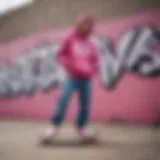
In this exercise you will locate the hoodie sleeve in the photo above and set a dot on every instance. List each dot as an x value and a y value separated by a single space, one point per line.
95 60
63 55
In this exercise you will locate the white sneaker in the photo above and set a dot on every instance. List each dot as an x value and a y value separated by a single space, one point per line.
87 135
49 136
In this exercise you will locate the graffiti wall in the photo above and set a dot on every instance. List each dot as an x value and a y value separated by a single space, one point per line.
126 88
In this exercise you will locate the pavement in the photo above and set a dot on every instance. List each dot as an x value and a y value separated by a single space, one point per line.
19 140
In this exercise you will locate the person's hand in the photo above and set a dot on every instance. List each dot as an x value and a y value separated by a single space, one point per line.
84 68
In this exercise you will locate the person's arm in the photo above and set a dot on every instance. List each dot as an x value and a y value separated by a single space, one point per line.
95 60
63 54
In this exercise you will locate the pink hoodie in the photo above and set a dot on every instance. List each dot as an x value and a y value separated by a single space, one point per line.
78 56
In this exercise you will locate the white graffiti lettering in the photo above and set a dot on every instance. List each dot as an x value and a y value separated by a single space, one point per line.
134 52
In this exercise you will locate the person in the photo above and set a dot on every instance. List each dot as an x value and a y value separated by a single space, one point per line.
79 58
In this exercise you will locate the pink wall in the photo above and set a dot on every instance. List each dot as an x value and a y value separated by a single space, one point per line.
134 99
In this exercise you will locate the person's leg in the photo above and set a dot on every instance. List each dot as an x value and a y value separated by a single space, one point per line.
58 116
60 109
84 89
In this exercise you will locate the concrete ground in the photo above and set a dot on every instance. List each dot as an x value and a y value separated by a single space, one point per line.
19 141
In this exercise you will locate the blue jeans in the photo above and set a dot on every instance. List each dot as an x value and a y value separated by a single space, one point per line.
83 87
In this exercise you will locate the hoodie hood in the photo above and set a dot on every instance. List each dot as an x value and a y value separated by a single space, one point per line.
84 17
